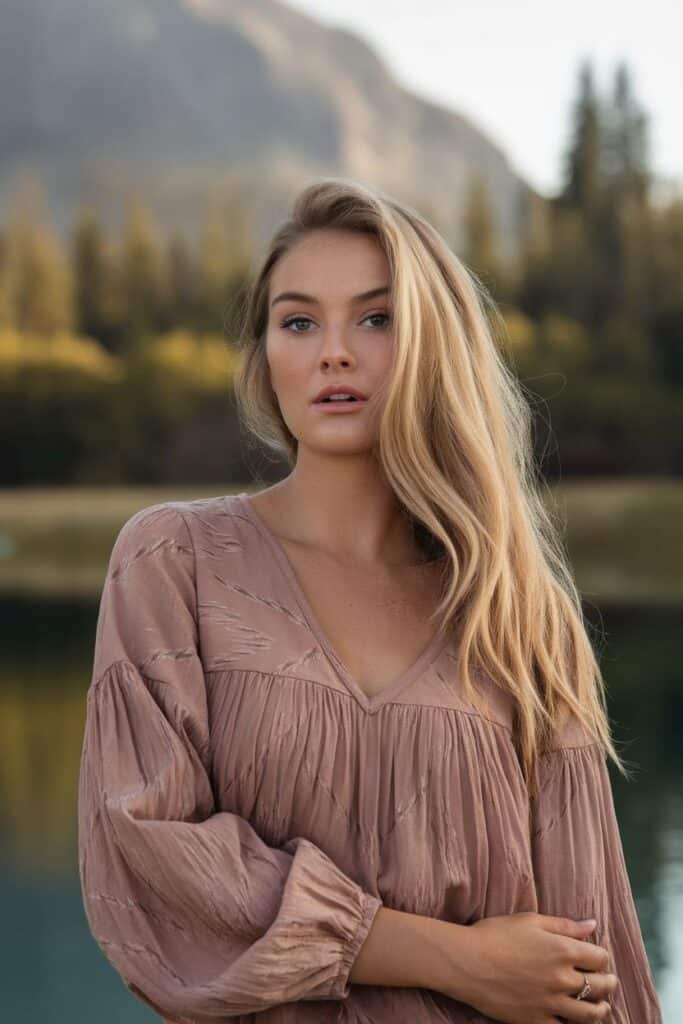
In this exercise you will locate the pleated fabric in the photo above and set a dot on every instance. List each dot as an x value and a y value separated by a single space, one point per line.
244 809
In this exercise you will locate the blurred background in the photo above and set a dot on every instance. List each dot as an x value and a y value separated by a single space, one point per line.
148 149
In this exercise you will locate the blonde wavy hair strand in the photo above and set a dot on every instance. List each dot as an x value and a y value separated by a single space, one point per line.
454 441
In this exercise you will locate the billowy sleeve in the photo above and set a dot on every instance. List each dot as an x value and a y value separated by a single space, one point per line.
198 915
580 869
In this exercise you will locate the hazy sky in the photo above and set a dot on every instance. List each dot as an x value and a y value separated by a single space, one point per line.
512 67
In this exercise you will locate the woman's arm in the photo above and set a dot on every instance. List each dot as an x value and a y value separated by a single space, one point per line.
408 950
199 916
492 965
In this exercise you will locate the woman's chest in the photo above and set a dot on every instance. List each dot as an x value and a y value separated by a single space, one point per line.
376 622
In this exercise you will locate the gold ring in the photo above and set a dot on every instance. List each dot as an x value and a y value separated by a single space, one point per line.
586 988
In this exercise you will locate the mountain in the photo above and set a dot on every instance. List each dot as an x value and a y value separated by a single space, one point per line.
176 98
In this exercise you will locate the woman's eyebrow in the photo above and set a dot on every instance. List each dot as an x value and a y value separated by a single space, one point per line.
303 297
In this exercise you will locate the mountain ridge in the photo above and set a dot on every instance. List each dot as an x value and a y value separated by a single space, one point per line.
173 98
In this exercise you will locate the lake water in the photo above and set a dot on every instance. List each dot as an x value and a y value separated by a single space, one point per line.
54 973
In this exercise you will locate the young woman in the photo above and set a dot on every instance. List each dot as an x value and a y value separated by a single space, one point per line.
346 740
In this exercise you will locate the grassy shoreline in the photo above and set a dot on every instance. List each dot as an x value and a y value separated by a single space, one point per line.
624 536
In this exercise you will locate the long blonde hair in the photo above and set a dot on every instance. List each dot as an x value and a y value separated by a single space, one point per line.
454 441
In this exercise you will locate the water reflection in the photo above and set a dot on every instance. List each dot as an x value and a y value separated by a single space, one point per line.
53 969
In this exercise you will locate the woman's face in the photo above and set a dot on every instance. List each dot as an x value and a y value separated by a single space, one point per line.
330 337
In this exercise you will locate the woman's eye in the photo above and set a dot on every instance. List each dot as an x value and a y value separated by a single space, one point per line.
295 320
304 319
373 316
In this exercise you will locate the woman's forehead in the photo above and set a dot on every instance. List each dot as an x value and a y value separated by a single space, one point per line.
343 267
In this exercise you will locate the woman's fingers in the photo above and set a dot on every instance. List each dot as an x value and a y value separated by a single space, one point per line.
582 1012
602 985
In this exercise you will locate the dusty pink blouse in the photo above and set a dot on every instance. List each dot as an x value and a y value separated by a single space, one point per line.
244 809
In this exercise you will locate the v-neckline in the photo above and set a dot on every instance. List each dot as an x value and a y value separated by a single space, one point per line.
391 689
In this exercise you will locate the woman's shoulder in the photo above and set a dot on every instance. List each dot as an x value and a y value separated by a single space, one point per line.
211 518
201 536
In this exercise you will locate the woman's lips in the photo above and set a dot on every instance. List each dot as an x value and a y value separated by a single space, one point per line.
344 406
